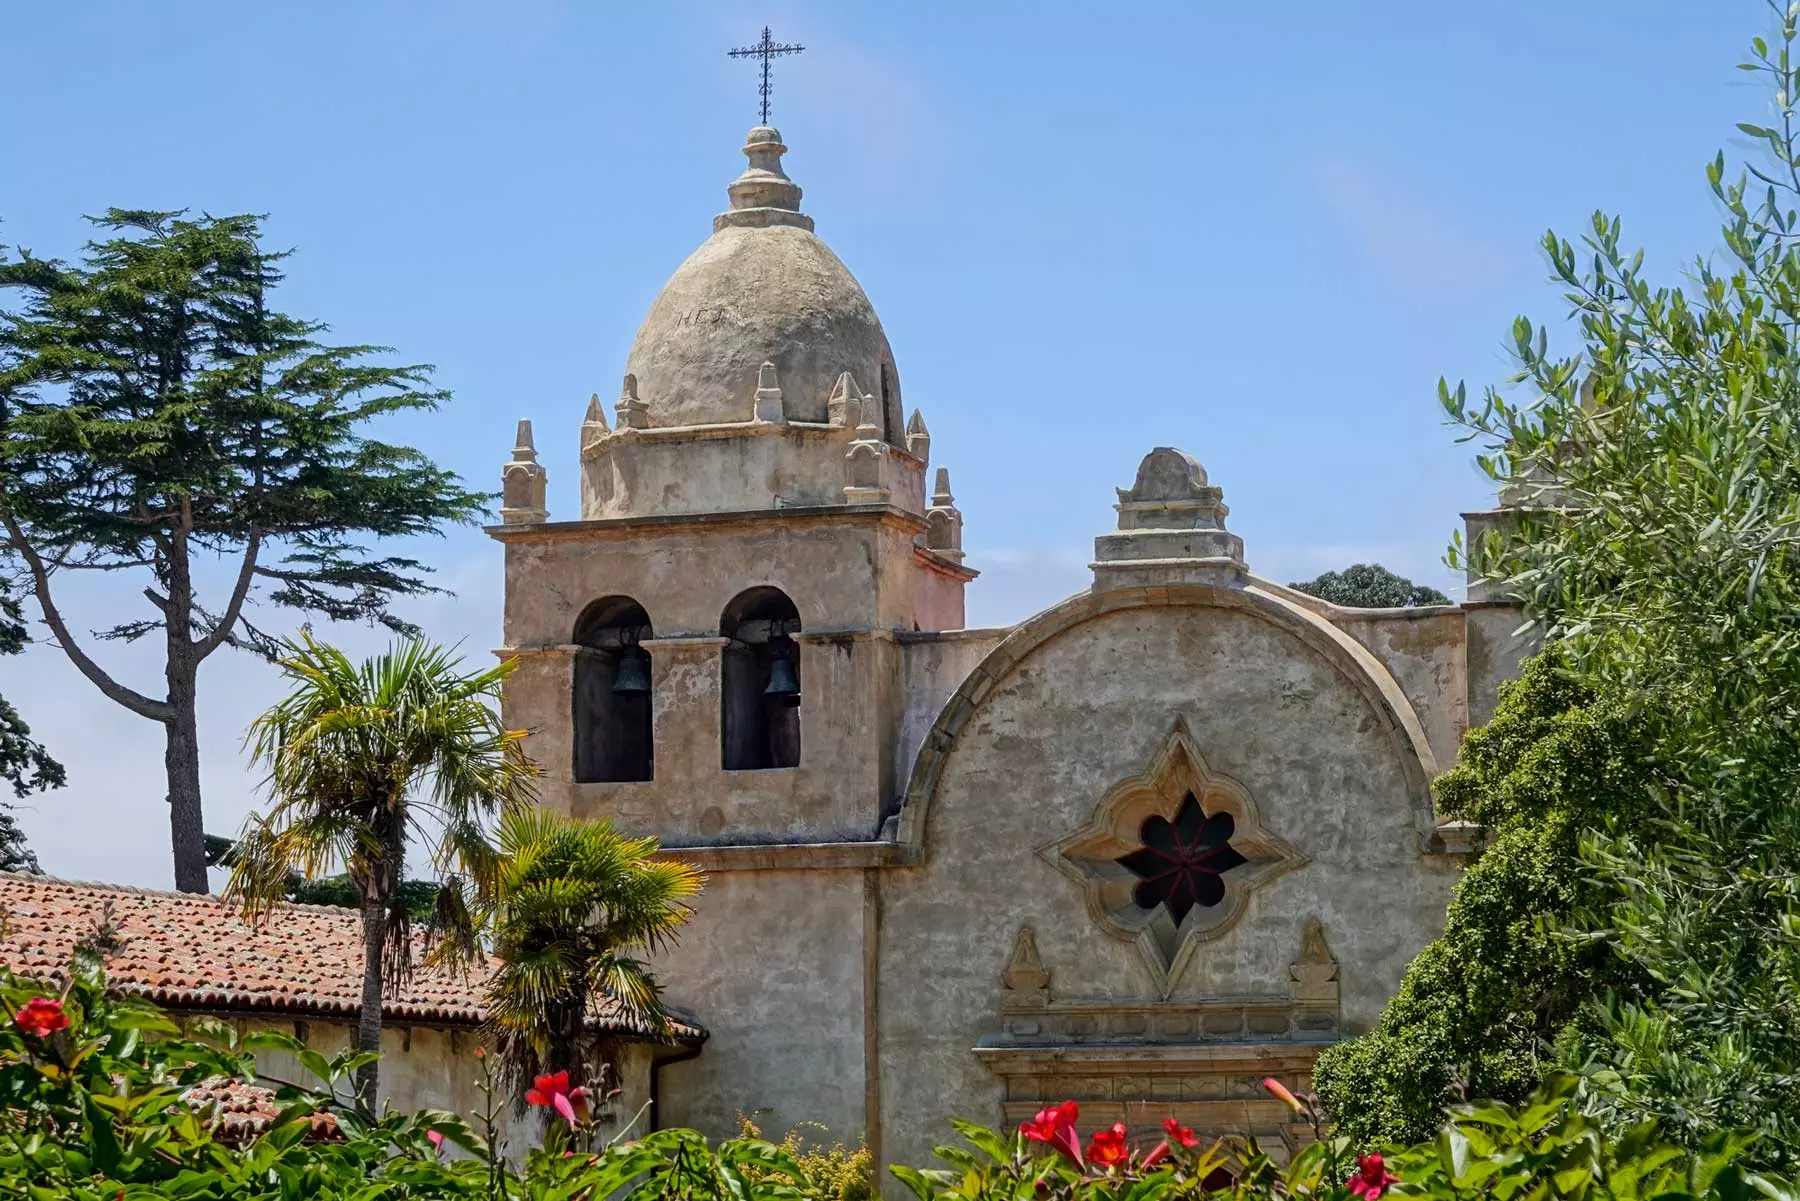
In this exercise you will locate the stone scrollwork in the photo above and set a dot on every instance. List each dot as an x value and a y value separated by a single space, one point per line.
1171 856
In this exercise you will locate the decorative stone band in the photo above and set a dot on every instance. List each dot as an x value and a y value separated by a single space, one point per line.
1216 1088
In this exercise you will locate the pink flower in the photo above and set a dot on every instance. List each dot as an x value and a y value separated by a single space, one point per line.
1056 1126
42 1017
1372 1178
437 1141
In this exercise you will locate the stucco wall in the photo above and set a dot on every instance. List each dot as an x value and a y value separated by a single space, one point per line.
1081 713
854 578
728 469
1424 650
429 1068
772 965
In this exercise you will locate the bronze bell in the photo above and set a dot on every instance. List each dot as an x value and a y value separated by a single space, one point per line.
633 678
784 683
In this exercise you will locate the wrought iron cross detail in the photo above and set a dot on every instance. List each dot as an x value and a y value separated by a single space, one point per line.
766 49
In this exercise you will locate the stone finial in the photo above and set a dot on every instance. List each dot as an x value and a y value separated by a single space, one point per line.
918 438
844 403
1171 529
522 482
1315 973
763 194
630 412
866 463
940 489
593 426
768 396
943 520
1025 978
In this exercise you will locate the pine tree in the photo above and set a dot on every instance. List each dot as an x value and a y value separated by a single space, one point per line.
24 763
156 414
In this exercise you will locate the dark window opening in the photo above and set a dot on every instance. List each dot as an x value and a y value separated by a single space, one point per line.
1183 862
613 737
759 682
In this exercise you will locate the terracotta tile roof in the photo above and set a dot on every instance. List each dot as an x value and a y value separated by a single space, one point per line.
196 953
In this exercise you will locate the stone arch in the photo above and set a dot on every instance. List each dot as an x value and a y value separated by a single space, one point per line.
614 739
1364 672
759 681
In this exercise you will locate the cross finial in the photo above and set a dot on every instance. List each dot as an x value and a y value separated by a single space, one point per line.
766 49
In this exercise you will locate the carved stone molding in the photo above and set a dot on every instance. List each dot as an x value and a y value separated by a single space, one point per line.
1137 1062
1090 856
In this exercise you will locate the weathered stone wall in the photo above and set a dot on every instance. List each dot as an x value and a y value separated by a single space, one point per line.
1082 712
855 577
425 1067
729 469
772 965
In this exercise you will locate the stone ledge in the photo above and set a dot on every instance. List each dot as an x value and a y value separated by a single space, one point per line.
791 856
547 531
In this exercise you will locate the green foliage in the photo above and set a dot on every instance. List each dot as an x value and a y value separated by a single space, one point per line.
156 413
107 1109
838 1172
24 764
1482 1007
573 906
361 759
1544 1147
1656 472
1370 586
103 1111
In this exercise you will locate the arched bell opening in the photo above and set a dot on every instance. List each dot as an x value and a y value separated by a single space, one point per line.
613 736
759 679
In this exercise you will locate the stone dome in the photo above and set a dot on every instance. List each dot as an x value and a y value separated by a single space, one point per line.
764 287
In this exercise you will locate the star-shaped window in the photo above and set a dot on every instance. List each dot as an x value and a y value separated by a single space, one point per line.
1171 856
1181 861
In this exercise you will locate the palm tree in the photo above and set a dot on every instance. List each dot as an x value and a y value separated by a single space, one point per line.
362 760
574 905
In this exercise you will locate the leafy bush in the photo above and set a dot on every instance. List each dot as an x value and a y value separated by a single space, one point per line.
1482 1009
1543 1148
840 1172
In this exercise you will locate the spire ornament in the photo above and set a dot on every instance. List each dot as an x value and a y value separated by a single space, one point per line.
767 50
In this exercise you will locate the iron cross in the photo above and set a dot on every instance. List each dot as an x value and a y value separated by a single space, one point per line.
766 49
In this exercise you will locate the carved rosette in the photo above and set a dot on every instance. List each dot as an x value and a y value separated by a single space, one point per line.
1090 856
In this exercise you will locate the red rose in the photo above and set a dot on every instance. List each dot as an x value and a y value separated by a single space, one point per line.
1108 1147
1372 1178
1056 1126
42 1017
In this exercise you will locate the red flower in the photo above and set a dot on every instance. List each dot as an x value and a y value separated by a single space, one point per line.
1157 1156
1372 1178
1180 1134
545 1089
1108 1147
42 1017
1056 1126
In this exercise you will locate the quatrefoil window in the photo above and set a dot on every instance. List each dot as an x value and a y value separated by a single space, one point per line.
1170 858
1182 862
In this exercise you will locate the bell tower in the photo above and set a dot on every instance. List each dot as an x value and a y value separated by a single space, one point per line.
710 653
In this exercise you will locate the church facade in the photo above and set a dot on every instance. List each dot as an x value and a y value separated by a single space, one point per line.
1166 838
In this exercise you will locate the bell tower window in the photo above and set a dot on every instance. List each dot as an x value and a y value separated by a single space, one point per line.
759 679
613 737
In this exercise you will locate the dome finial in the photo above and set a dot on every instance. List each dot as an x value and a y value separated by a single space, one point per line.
763 194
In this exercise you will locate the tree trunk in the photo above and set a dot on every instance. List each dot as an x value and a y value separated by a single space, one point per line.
368 1026
181 762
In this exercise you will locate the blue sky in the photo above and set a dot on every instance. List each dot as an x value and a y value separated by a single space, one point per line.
1258 232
